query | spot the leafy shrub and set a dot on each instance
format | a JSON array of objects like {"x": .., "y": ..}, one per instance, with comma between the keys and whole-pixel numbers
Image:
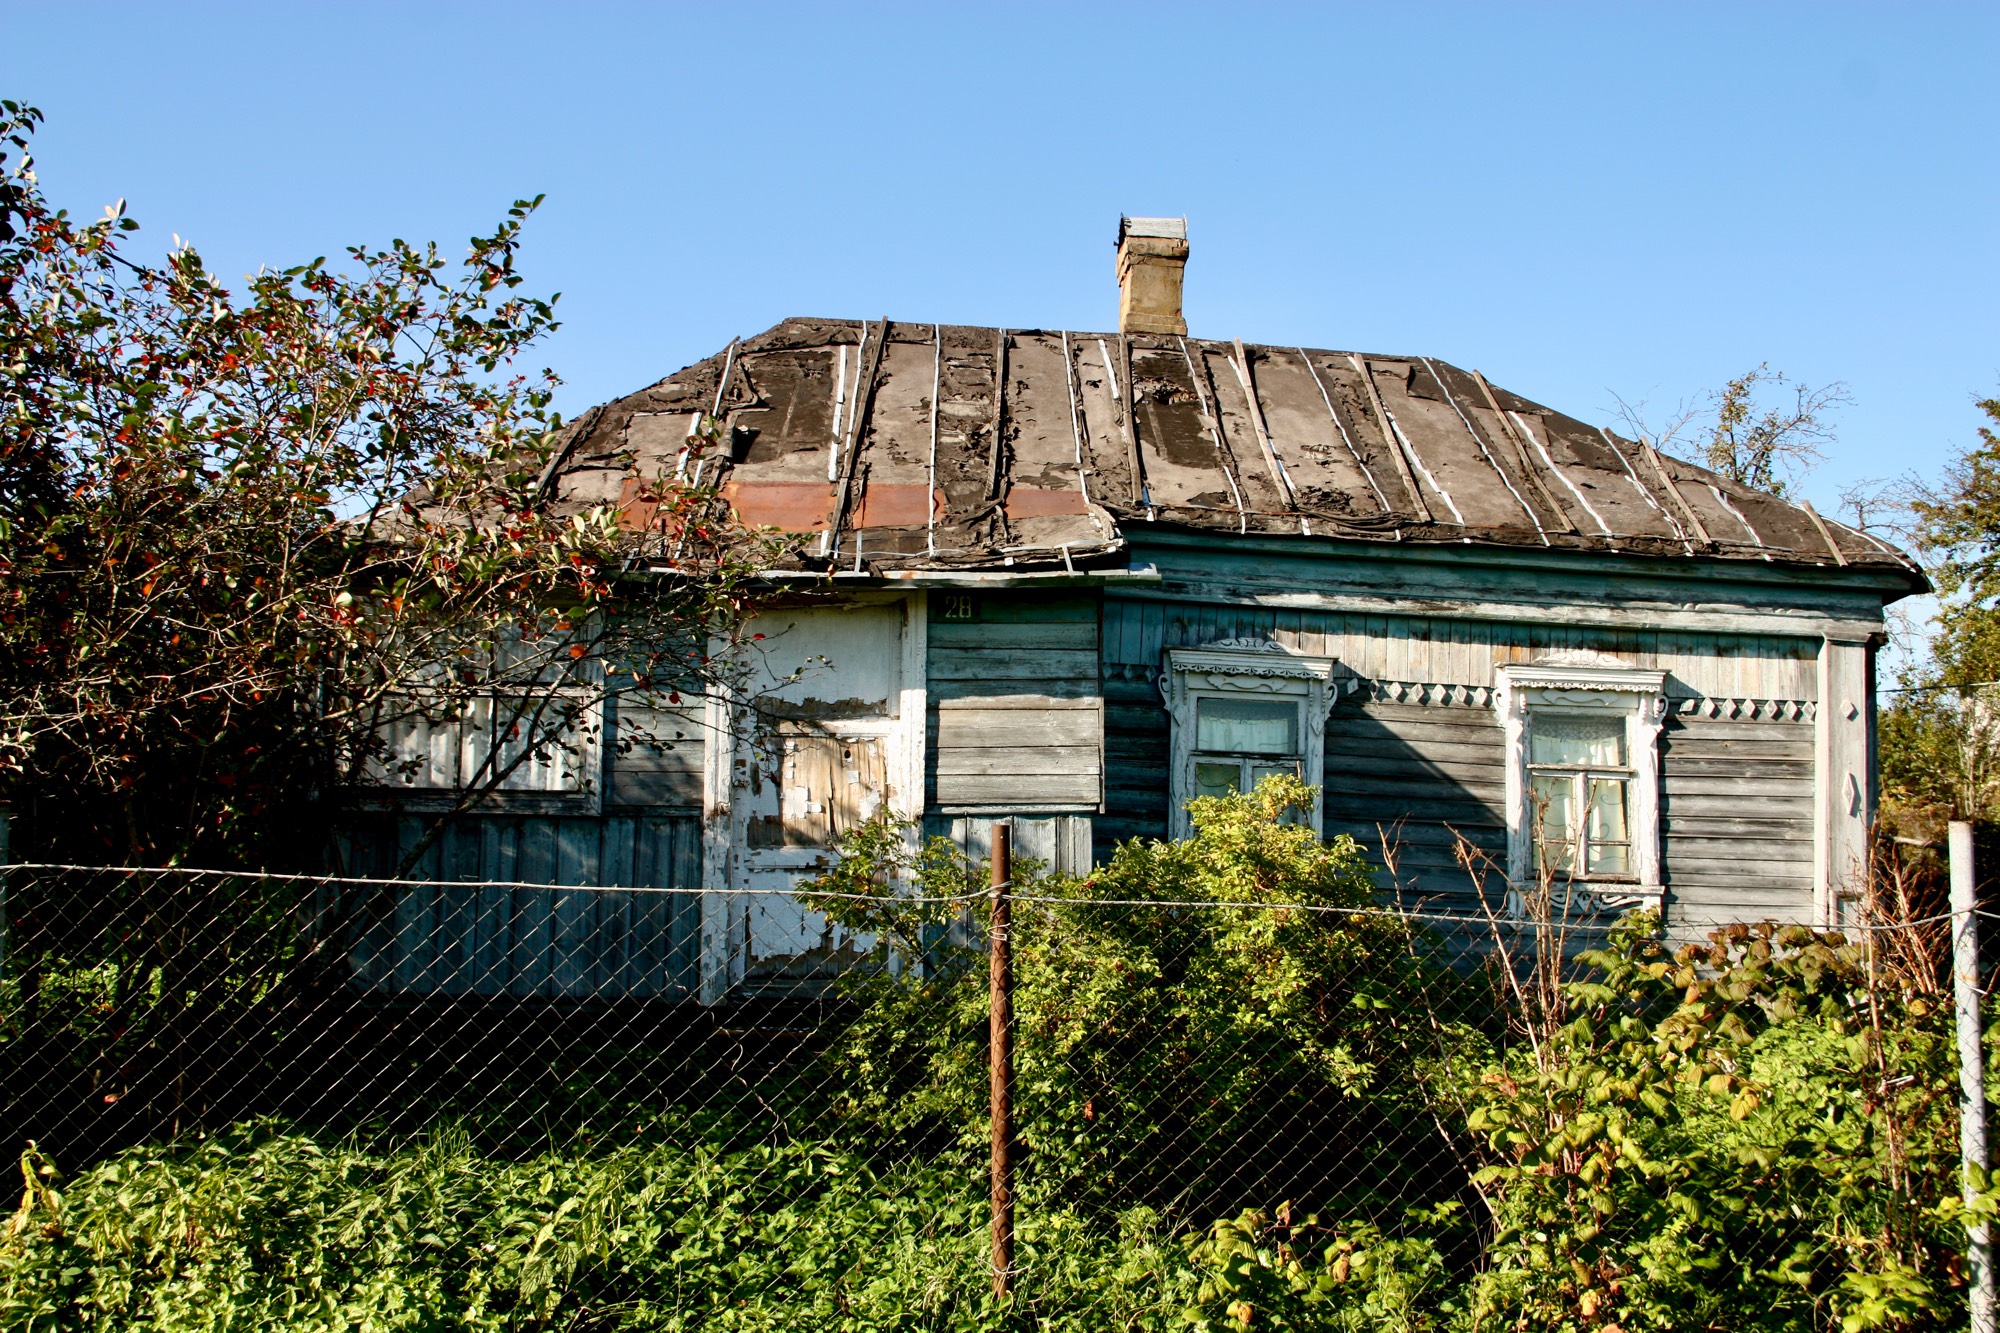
[
  {"x": 1201, "y": 1026},
  {"x": 1755, "y": 1131},
  {"x": 1269, "y": 1272},
  {"x": 262, "y": 1230},
  {"x": 1248, "y": 1100}
]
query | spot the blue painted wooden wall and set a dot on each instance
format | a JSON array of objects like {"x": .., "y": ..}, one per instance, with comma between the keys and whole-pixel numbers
[{"x": 486, "y": 926}]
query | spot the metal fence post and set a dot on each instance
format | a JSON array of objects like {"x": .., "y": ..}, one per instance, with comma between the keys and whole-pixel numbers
[
  {"x": 1971, "y": 1069},
  {"x": 6, "y": 859},
  {"x": 1000, "y": 1026}
]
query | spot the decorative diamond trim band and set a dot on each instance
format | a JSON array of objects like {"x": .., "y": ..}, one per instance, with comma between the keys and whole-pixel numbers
[{"x": 1429, "y": 694}]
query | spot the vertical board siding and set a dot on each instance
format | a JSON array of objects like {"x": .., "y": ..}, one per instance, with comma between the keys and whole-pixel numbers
[
  {"x": 1059, "y": 843},
  {"x": 1736, "y": 821},
  {"x": 488, "y": 929},
  {"x": 1136, "y": 760},
  {"x": 1017, "y": 714},
  {"x": 1444, "y": 651}
]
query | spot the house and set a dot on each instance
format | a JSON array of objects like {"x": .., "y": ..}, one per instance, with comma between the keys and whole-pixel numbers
[{"x": 1078, "y": 578}]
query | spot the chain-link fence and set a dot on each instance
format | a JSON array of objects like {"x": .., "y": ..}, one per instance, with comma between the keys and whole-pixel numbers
[{"x": 1245, "y": 1092}]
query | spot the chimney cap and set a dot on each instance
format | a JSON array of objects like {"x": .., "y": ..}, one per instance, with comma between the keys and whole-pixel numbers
[{"x": 1174, "y": 229}]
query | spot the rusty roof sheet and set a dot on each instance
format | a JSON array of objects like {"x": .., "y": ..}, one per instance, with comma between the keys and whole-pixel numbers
[{"x": 884, "y": 443}]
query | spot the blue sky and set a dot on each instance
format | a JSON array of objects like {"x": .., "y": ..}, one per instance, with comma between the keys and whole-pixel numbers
[{"x": 1579, "y": 200}]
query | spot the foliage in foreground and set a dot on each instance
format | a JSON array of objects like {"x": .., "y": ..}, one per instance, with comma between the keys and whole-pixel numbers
[
  {"x": 1236, "y": 1115},
  {"x": 256, "y": 1230},
  {"x": 1759, "y": 1131},
  {"x": 1201, "y": 1025},
  {"x": 1756, "y": 1131}
]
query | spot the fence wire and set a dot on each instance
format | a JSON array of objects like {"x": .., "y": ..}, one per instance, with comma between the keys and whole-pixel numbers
[{"x": 291, "y": 1101}]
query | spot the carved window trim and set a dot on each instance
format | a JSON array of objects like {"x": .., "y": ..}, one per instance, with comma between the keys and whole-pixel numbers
[
  {"x": 1243, "y": 668},
  {"x": 1639, "y": 696}
]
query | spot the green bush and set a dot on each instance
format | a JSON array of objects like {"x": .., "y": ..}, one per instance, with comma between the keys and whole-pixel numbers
[
  {"x": 265, "y": 1230},
  {"x": 1200, "y": 1026},
  {"x": 1759, "y": 1131}
]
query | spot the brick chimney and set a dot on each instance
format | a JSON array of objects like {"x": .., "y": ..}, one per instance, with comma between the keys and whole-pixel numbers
[{"x": 1152, "y": 257}]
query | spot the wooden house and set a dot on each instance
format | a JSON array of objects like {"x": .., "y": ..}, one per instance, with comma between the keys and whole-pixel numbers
[{"x": 1077, "y": 578}]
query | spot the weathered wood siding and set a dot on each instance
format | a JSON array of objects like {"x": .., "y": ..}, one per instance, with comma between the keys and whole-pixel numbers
[
  {"x": 1016, "y": 710},
  {"x": 1416, "y": 778},
  {"x": 1427, "y": 764},
  {"x": 1736, "y": 820},
  {"x": 502, "y": 934},
  {"x": 1060, "y": 842},
  {"x": 1424, "y": 649},
  {"x": 653, "y": 757}
]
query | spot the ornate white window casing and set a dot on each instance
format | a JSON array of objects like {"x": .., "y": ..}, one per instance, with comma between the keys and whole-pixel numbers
[
  {"x": 1587, "y": 684},
  {"x": 1230, "y": 672}
]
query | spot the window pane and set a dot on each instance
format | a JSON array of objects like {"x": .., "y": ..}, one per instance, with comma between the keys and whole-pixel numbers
[
  {"x": 1553, "y": 816},
  {"x": 1258, "y": 772},
  {"x": 1611, "y": 858},
  {"x": 543, "y": 739},
  {"x": 1581, "y": 740},
  {"x": 1610, "y": 835},
  {"x": 1217, "y": 779},
  {"x": 1247, "y": 726}
]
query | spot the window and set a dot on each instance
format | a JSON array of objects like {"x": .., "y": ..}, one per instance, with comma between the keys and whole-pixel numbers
[
  {"x": 519, "y": 716},
  {"x": 546, "y": 747},
  {"x": 1243, "y": 710},
  {"x": 1583, "y": 774},
  {"x": 1239, "y": 741},
  {"x": 1580, "y": 787}
]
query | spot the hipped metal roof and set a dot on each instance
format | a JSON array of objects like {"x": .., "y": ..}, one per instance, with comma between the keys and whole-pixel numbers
[{"x": 891, "y": 445}]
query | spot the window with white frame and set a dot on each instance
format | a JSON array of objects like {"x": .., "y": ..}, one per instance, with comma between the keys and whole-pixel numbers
[
  {"x": 521, "y": 720},
  {"x": 1580, "y": 788},
  {"x": 1242, "y": 711},
  {"x": 520, "y": 745},
  {"x": 1583, "y": 775}
]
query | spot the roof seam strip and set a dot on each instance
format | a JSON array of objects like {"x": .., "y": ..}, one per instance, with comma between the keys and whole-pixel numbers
[
  {"x": 1839, "y": 556},
  {"x": 1212, "y": 418},
  {"x": 1486, "y": 453},
  {"x": 1534, "y": 477},
  {"x": 1138, "y": 484},
  {"x": 1417, "y": 460},
  {"x": 864, "y": 390},
  {"x": 1549, "y": 458},
  {"x": 1128, "y": 406},
  {"x": 1076, "y": 428},
  {"x": 1391, "y": 438},
  {"x": 1674, "y": 491},
  {"x": 1738, "y": 515},
  {"x": 839, "y": 407},
  {"x": 930, "y": 479},
  {"x": 1257, "y": 422},
  {"x": 1644, "y": 494},
  {"x": 1341, "y": 426},
  {"x": 998, "y": 453}
]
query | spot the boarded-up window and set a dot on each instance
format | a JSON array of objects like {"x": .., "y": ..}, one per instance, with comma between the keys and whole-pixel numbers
[
  {"x": 826, "y": 786},
  {"x": 1018, "y": 705}
]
